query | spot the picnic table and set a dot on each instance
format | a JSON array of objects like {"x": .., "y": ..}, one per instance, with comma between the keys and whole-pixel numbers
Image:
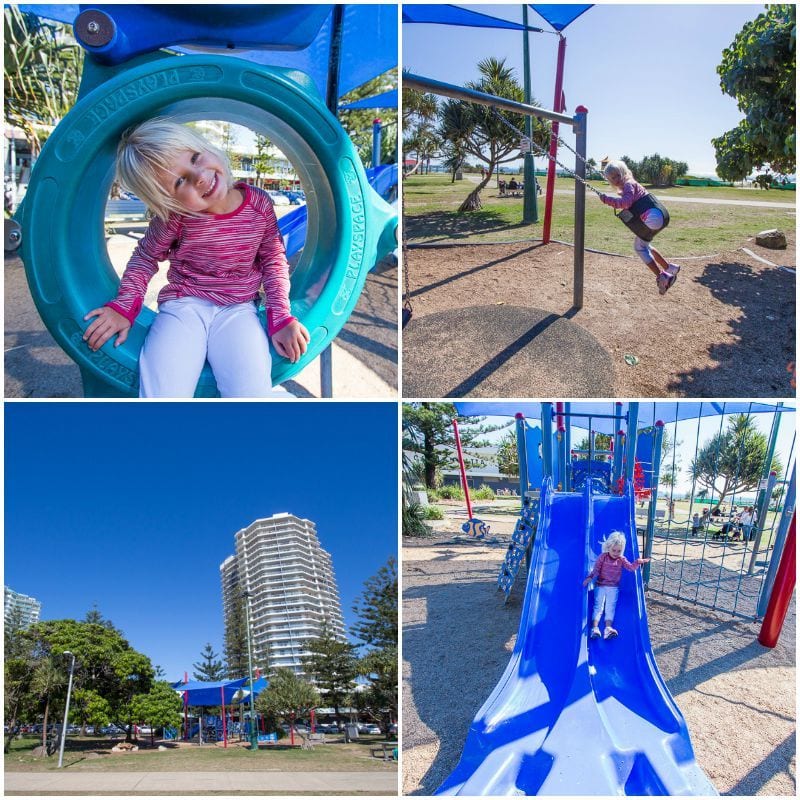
[{"x": 386, "y": 751}]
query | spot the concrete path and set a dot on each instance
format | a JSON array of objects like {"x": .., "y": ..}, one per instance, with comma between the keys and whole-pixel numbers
[
  {"x": 674, "y": 199},
  {"x": 59, "y": 783}
]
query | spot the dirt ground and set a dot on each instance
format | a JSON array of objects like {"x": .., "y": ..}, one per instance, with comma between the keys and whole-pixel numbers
[
  {"x": 725, "y": 329},
  {"x": 738, "y": 697}
]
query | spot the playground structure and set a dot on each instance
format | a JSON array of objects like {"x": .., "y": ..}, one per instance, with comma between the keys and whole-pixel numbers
[
  {"x": 572, "y": 715},
  {"x": 346, "y": 227}
]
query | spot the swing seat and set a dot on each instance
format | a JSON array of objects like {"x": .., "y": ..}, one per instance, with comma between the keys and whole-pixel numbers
[{"x": 631, "y": 217}]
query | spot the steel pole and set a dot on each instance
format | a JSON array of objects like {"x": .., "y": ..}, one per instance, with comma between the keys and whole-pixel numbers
[
  {"x": 530, "y": 212},
  {"x": 780, "y": 543},
  {"x": 580, "y": 205},
  {"x": 551, "y": 164},
  {"x": 412, "y": 81},
  {"x": 763, "y": 507},
  {"x": 547, "y": 439},
  {"x": 66, "y": 709},
  {"x": 782, "y": 593},
  {"x": 522, "y": 457},
  {"x": 462, "y": 468},
  {"x": 376, "y": 142},
  {"x": 630, "y": 441},
  {"x": 252, "y": 726},
  {"x": 658, "y": 436}
]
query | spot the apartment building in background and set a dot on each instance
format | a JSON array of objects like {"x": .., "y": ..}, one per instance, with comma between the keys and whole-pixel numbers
[
  {"x": 25, "y": 609},
  {"x": 290, "y": 589}
]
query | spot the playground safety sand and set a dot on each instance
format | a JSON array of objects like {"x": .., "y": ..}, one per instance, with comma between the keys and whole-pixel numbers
[
  {"x": 725, "y": 329},
  {"x": 738, "y": 697}
]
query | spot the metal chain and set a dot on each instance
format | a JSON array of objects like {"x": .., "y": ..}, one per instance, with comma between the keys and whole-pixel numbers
[
  {"x": 407, "y": 308},
  {"x": 540, "y": 151}
]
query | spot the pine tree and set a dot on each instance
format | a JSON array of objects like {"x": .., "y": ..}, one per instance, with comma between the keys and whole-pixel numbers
[
  {"x": 236, "y": 641},
  {"x": 210, "y": 668},
  {"x": 333, "y": 665}
]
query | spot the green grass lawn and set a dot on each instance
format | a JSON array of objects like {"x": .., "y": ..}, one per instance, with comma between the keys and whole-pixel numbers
[
  {"x": 431, "y": 203},
  {"x": 93, "y": 754}
]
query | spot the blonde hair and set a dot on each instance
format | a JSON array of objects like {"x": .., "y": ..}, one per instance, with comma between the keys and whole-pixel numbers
[
  {"x": 618, "y": 169},
  {"x": 151, "y": 147},
  {"x": 615, "y": 537}
]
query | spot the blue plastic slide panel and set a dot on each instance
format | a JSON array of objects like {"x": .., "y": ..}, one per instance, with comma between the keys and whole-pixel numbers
[{"x": 573, "y": 716}]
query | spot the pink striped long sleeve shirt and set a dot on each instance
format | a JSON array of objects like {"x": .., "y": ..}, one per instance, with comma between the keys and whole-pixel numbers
[
  {"x": 631, "y": 192},
  {"x": 608, "y": 571},
  {"x": 224, "y": 258}
]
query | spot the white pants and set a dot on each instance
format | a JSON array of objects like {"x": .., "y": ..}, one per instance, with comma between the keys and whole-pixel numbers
[
  {"x": 654, "y": 220},
  {"x": 605, "y": 596},
  {"x": 187, "y": 331}
]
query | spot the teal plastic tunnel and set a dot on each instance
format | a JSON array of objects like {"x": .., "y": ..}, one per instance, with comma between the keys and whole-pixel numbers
[{"x": 63, "y": 235}]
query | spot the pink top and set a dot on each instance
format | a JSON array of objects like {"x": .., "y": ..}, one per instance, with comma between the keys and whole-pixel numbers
[
  {"x": 608, "y": 571},
  {"x": 224, "y": 258},
  {"x": 631, "y": 192}
]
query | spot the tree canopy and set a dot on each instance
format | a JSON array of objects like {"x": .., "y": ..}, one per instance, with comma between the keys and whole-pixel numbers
[
  {"x": 377, "y": 628},
  {"x": 758, "y": 69},
  {"x": 209, "y": 668},
  {"x": 732, "y": 461},
  {"x": 41, "y": 73},
  {"x": 288, "y": 696},
  {"x": 656, "y": 170},
  {"x": 489, "y": 135},
  {"x": 334, "y": 666},
  {"x": 428, "y": 433}
]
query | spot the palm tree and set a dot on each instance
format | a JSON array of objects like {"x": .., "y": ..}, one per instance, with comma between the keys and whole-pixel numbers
[
  {"x": 491, "y": 135},
  {"x": 41, "y": 74},
  {"x": 47, "y": 680},
  {"x": 419, "y": 116}
]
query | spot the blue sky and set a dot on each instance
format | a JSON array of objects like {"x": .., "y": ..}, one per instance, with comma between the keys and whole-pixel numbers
[
  {"x": 133, "y": 506},
  {"x": 647, "y": 73}
]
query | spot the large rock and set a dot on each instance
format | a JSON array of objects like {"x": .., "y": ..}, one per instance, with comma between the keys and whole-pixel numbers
[{"x": 774, "y": 239}]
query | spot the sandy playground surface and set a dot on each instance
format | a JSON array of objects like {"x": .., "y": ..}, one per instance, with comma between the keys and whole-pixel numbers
[
  {"x": 738, "y": 697},
  {"x": 725, "y": 329}
]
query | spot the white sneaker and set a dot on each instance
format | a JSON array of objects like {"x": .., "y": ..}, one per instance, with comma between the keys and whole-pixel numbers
[
  {"x": 595, "y": 634},
  {"x": 609, "y": 633}
]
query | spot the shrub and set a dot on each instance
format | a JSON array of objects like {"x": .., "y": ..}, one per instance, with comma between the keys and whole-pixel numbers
[
  {"x": 413, "y": 514},
  {"x": 433, "y": 495},
  {"x": 451, "y": 493},
  {"x": 433, "y": 512},
  {"x": 484, "y": 493}
]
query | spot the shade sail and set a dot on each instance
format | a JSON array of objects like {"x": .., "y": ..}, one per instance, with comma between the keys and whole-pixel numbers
[
  {"x": 649, "y": 412},
  {"x": 369, "y": 34},
  {"x": 204, "y": 693},
  {"x": 453, "y": 15},
  {"x": 384, "y": 100},
  {"x": 558, "y": 15}
]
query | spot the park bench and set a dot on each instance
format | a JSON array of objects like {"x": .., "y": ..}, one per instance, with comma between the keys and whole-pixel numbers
[{"x": 385, "y": 751}]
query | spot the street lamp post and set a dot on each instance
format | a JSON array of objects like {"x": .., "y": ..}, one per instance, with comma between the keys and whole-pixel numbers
[
  {"x": 253, "y": 733},
  {"x": 66, "y": 709}
]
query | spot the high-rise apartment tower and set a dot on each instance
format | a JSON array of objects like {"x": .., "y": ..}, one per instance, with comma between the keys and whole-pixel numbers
[
  {"x": 290, "y": 589},
  {"x": 20, "y": 609}
]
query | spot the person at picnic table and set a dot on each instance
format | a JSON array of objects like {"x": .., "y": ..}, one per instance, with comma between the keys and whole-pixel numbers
[{"x": 513, "y": 185}]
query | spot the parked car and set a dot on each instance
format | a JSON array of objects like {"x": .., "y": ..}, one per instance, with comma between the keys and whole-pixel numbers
[
  {"x": 278, "y": 198},
  {"x": 393, "y": 729},
  {"x": 327, "y": 728},
  {"x": 369, "y": 727}
]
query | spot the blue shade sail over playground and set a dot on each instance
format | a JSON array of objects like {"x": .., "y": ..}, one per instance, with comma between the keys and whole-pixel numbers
[
  {"x": 453, "y": 15},
  {"x": 649, "y": 413},
  {"x": 570, "y": 715},
  {"x": 209, "y": 693},
  {"x": 383, "y": 100},
  {"x": 559, "y": 16},
  {"x": 369, "y": 37}
]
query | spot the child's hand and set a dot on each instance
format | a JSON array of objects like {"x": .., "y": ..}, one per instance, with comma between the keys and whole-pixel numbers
[
  {"x": 108, "y": 323},
  {"x": 292, "y": 340},
  {"x": 587, "y": 581}
]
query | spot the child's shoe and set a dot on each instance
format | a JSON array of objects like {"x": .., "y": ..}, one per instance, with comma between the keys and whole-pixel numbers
[
  {"x": 610, "y": 633},
  {"x": 595, "y": 634},
  {"x": 662, "y": 281},
  {"x": 673, "y": 270}
]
